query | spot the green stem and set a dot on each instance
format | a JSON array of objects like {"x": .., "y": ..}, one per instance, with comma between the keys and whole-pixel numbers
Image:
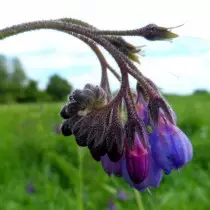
[
  {"x": 138, "y": 200},
  {"x": 80, "y": 200}
]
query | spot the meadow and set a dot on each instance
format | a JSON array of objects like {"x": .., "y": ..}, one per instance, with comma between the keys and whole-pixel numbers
[{"x": 41, "y": 169}]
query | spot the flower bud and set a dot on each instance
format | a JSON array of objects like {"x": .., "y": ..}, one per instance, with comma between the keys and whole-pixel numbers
[{"x": 170, "y": 147}]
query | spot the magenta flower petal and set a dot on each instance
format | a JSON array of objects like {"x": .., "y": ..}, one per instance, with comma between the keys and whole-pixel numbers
[
  {"x": 153, "y": 180},
  {"x": 137, "y": 161}
]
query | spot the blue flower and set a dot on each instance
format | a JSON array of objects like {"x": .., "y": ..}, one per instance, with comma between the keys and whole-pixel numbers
[
  {"x": 171, "y": 148},
  {"x": 30, "y": 188},
  {"x": 122, "y": 143},
  {"x": 122, "y": 195}
]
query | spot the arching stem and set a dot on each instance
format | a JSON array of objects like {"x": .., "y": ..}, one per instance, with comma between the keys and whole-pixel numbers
[
  {"x": 56, "y": 25},
  {"x": 123, "y": 62},
  {"x": 67, "y": 27}
]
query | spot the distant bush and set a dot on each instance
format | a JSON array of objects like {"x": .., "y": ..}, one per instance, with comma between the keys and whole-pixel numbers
[
  {"x": 15, "y": 87},
  {"x": 200, "y": 91},
  {"x": 58, "y": 88}
]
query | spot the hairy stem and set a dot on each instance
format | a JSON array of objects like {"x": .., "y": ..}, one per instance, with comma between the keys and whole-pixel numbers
[
  {"x": 104, "y": 65},
  {"x": 54, "y": 25},
  {"x": 123, "y": 62},
  {"x": 67, "y": 27},
  {"x": 100, "y": 56}
]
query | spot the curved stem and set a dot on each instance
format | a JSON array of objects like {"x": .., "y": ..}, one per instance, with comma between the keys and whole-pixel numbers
[
  {"x": 134, "y": 32},
  {"x": 56, "y": 25},
  {"x": 123, "y": 33},
  {"x": 104, "y": 65},
  {"x": 104, "y": 77},
  {"x": 123, "y": 62},
  {"x": 114, "y": 72},
  {"x": 100, "y": 56},
  {"x": 129, "y": 101},
  {"x": 77, "y": 22},
  {"x": 67, "y": 27},
  {"x": 143, "y": 31}
]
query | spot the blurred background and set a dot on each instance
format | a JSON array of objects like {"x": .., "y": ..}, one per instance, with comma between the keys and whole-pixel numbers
[{"x": 39, "y": 167}]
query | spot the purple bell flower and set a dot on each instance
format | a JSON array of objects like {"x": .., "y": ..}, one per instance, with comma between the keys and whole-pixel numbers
[
  {"x": 138, "y": 167},
  {"x": 152, "y": 180},
  {"x": 171, "y": 148},
  {"x": 137, "y": 161}
]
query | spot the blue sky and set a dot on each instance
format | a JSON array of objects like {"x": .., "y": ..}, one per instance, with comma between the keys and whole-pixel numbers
[{"x": 178, "y": 67}]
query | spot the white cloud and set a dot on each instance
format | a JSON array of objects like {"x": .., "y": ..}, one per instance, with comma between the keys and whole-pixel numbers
[
  {"x": 56, "y": 61},
  {"x": 171, "y": 74},
  {"x": 178, "y": 74}
]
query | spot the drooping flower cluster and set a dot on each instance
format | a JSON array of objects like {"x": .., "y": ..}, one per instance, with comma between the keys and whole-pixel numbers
[
  {"x": 170, "y": 149},
  {"x": 133, "y": 134},
  {"x": 93, "y": 126},
  {"x": 104, "y": 132}
]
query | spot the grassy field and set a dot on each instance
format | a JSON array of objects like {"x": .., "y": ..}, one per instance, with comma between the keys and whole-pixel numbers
[{"x": 41, "y": 169}]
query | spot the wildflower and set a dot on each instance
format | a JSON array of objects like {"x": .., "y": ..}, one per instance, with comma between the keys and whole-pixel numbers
[
  {"x": 57, "y": 129},
  {"x": 152, "y": 180},
  {"x": 89, "y": 126},
  {"x": 114, "y": 129},
  {"x": 145, "y": 173},
  {"x": 137, "y": 161},
  {"x": 170, "y": 147},
  {"x": 30, "y": 188},
  {"x": 122, "y": 195},
  {"x": 111, "y": 205},
  {"x": 140, "y": 163}
]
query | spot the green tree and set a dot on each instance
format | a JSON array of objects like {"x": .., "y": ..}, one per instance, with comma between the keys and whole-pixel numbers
[
  {"x": 5, "y": 94},
  {"x": 31, "y": 92},
  {"x": 18, "y": 76},
  {"x": 18, "y": 80},
  {"x": 58, "y": 88},
  {"x": 3, "y": 70}
]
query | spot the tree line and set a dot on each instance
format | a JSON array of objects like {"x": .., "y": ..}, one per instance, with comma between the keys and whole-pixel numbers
[{"x": 16, "y": 87}]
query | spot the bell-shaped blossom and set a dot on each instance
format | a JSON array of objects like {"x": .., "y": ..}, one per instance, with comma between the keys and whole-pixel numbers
[
  {"x": 171, "y": 148},
  {"x": 137, "y": 161},
  {"x": 153, "y": 179}
]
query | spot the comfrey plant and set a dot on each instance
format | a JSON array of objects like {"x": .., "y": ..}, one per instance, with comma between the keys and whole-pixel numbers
[{"x": 134, "y": 134}]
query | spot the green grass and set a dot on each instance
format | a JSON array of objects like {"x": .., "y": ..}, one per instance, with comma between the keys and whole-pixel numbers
[{"x": 65, "y": 176}]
